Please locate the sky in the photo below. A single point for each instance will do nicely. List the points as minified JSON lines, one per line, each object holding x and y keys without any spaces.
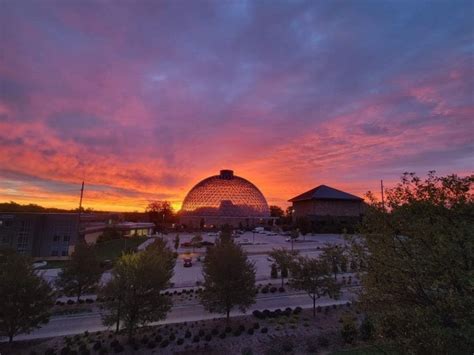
{"x":143,"y":99}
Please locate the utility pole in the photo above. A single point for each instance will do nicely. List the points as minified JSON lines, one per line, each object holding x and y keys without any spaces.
{"x":381,"y":191}
{"x":80,"y":211}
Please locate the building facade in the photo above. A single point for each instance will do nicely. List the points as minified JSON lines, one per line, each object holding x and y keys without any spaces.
{"x":328,"y":209}
{"x":45,"y":235}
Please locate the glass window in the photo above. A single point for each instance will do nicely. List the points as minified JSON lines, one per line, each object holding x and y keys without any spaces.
{"x":56,"y":238}
{"x":66,"y":238}
{"x":54,"y":253}
{"x":64,"y":253}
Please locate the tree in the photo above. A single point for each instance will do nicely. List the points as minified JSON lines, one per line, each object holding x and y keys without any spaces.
{"x":82,"y":274}
{"x":276,"y":211}
{"x":160,"y":212}
{"x":303,"y":225}
{"x":25,"y":297}
{"x":176,"y":242}
{"x":196,"y":240}
{"x":314,"y":277}
{"x":134,"y":296}
{"x":418,"y":255}
{"x":229,"y":279}
{"x":109,"y":233}
{"x":274,"y":271}
{"x":295,"y":233}
{"x":334,"y":256}
{"x":283,"y":259}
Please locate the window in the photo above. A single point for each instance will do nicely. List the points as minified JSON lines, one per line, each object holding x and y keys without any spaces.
{"x":54,"y":253}
{"x":66,"y":238}
{"x":56,"y":238}
{"x":64,"y":253}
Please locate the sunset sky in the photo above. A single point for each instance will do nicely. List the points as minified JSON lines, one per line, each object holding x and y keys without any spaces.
{"x":143,"y":99}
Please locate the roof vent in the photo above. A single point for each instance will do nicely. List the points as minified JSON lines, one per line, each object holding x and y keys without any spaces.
{"x":227,"y":174}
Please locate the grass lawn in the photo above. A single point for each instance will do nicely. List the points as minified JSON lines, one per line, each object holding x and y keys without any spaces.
{"x":112,"y":249}
{"x":368,"y":350}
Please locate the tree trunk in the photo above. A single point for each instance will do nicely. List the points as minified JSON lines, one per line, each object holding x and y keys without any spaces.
{"x":117,"y":326}
{"x":228,"y":316}
{"x":314,"y":307}
{"x":10,"y":338}
{"x":282,"y":280}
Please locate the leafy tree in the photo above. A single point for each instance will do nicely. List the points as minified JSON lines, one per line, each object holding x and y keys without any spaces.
{"x":82,"y":274}
{"x":303,"y":225}
{"x":274,"y":271}
{"x":25,"y":298}
{"x":276,"y":211}
{"x":176,"y":242}
{"x":418,"y":252}
{"x":349,"y":330}
{"x":334,"y":256}
{"x":283,"y":259}
{"x":196,"y":241}
{"x":160,"y":213}
{"x":295,"y":233}
{"x":110,"y":233}
{"x":314,"y":277}
{"x":134,"y":296}
{"x":229,"y":278}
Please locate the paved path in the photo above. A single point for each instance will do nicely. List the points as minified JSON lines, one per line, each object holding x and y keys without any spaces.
{"x":76,"y":324}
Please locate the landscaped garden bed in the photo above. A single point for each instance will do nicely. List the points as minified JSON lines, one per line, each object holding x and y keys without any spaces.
{"x":279,"y":331}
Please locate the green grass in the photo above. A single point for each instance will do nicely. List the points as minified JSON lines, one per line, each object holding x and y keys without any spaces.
{"x":113,"y":249}
{"x":368,"y":350}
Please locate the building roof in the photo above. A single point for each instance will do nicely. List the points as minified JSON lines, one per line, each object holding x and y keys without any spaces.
{"x":323,"y":192}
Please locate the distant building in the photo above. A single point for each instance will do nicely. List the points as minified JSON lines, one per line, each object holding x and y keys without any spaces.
{"x":224,"y":199}
{"x":54,"y":235}
{"x":328,"y":209}
{"x":39,"y":234}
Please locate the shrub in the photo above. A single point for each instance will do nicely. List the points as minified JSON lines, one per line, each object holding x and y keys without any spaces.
{"x":158,"y":338}
{"x":265,"y":289}
{"x":256,"y":325}
{"x":80,"y":301}
{"x":201,"y":332}
{"x":215,"y":331}
{"x":151,"y":345}
{"x":145,"y":339}
{"x":118,"y":349}
{"x":187,"y":334}
{"x":241,"y":328}
{"x":114,"y":343}
{"x":257,"y":314}
{"x":250,"y":331}
{"x":318,"y":309}
{"x":323,"y":341}
{"x":89,"y":300}
{"x":348,"y":331}
{"x":281,"y":289}
{"x":228,"y":329}
{"x":297,"y":310}
{"x":287,"y":346}
{"x":237,"y":332}
{"x":97,"y":345}
{"x":208,"y":337}
{"x":180,"y":341}
{"x":70,"y":302}
{"x":196,"y":339}
{"x":273,"y":289}
{"x":266,"y":313}
{"x":366,"y":329}
{"x":222,"y":335}
{"x":65,"y":351}
{"x":264,"y":330}
{"x":164,"y":343}
{"x":172,"y":337}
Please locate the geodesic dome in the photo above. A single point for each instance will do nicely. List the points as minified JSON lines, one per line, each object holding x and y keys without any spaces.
{"x":225,"y":195}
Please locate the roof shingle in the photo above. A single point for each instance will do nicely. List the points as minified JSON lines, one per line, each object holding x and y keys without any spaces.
{"x":323,"y":192}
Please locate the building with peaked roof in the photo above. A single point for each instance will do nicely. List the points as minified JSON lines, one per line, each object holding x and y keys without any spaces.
{"x":324,"y":206}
